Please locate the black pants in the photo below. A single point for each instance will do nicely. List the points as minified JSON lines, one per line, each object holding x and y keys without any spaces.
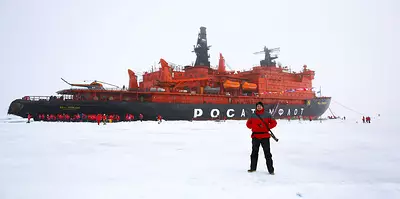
{"x":267,"y":153}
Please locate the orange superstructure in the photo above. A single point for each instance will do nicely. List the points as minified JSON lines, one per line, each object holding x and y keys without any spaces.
{"x":272,"y":82}
{"x":203,"y":83}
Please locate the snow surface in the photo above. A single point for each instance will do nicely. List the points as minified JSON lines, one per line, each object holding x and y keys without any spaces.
{"x":178,"y":159}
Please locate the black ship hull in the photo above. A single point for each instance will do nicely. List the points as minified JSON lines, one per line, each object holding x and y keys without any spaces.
{"x":312,"y":108}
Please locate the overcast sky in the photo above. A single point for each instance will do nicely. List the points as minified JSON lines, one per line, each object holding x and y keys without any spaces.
{"x":351,"y":44}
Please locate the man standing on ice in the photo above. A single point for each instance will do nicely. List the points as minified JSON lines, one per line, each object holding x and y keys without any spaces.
{"x":29,"y":118}
{"x":98,"y":118}
{"x":159,"y":118}
{"x":141,"y":117}
{"x":260,"y":136}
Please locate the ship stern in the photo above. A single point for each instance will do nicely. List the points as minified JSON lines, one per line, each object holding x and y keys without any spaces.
{"x":16,"y":108}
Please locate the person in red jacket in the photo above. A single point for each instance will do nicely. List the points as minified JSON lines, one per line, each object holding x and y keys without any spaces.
{"x":99,"y":117}
{"x":141,"y":117}
{"x":260,"y":136}
{"x":159,"y":118}
{"x":29,"y":118}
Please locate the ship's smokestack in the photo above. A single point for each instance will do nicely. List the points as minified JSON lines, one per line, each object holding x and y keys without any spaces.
{"x":201,"y":49}
{"x":133,"y":85}
{"x":221,"y":65}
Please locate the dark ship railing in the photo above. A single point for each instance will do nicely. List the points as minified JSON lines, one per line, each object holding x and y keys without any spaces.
{"x":47,"y":98}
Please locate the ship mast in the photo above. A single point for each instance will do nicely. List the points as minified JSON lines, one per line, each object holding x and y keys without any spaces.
{"x":268,"y":59}
{"x":201,"y":49}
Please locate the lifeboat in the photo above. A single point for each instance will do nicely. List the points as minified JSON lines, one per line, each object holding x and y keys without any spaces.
{"x":231,"y":84}
{"x":249,"y":86}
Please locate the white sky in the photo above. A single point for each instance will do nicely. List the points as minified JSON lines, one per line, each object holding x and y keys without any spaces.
{"x":350,"y":44}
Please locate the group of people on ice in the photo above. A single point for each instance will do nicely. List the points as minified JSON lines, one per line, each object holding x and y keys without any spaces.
{"x":81,"y":117}
{"x":366,"y":119}
{"x":128,"y":117}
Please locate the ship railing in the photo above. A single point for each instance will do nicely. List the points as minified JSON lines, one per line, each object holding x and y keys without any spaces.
{"x":116,"y":89}
{"x":36,"y":98}
{"x":107,"y":89}
{"x":47,"y":98}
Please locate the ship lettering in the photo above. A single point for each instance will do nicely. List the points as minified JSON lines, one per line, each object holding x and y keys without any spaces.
{"x":271,"y":111}
{"x":69,"y":107}
{"x":253,"y":109}
{"x":280,"y":112}
{"x":213,"y":111}
{"x":243,"y":113}
{"x":197,"y":112}
{"x":228,"y":113}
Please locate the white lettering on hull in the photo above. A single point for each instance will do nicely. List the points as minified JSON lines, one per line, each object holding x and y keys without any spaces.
{"x":230,"y":113}
{"x":243,"y":113}
{"x":214,"y":113}
{"x":280,"y":112}
{"x":271,"y":111}
{"x":197,"y":112}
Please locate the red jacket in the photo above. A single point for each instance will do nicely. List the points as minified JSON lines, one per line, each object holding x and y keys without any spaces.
{"x":258,"y":127}
{"x":99,"y":117}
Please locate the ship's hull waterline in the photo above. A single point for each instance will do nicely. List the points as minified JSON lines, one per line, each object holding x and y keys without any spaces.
{"x":312,"y":108}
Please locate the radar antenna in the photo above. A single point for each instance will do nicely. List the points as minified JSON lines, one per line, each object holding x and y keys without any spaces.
{"x":268,"y":59}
